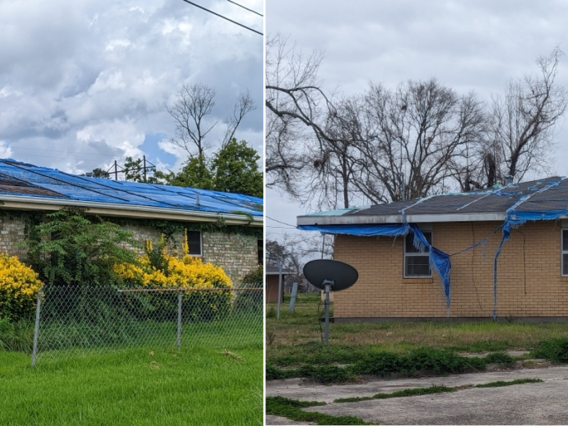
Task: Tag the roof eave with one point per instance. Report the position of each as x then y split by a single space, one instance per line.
14 202
390 219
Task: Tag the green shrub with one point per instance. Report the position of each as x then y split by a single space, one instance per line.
553 350
326 374
439 362
275 373
501 358
380 364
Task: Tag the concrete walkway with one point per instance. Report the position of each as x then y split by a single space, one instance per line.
531 403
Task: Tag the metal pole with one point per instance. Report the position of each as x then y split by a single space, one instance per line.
293 296
279 264
326 328
36 327
179 321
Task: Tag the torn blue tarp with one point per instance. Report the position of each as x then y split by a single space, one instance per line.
439 261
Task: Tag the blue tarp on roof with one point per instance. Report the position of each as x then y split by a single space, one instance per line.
520 211
65 186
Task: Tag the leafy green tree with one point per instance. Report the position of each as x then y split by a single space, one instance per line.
236 169
100 173
70 248
196 173
138 170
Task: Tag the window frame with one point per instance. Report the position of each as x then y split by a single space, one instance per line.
407 254
563 251
200 243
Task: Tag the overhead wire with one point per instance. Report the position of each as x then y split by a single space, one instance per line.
279 221
246 8
224 17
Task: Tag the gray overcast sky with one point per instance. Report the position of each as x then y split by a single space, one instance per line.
468 45
85 82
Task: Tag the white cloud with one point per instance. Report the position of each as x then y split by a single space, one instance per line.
91 78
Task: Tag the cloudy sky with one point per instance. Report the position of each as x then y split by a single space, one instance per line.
468 45
86 82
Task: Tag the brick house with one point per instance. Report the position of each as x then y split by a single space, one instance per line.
225 229
494 253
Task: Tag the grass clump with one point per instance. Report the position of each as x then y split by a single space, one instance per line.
501 383
275 373
16 335
553 350
292 409
401 393
501 358
326 374
426 360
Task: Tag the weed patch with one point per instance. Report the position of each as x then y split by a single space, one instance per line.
554 350
501 383
292 409
401 393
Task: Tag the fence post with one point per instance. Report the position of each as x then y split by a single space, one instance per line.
293 297
179 321
36 328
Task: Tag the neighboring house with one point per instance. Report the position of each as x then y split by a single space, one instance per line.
500 252
272 274
224 229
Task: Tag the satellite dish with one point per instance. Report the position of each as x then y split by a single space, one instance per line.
330 275
324 271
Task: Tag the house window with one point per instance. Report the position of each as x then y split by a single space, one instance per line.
417 263
194 243
565 252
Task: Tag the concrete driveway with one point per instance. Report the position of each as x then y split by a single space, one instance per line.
531 403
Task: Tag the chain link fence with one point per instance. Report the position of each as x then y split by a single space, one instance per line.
76 321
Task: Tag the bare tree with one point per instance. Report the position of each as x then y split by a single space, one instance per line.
413 136
524 119
296 111
336 169
190 111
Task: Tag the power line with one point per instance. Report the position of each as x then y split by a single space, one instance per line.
283 223
224 17
246 8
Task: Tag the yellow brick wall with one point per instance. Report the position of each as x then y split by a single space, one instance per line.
529 281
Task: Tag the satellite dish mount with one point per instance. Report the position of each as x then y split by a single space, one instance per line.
329 275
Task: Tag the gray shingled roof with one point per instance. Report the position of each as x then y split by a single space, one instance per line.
543 195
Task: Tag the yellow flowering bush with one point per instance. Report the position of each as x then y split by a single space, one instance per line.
19 286
159 269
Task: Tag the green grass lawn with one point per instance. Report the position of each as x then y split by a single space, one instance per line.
296 338
143 386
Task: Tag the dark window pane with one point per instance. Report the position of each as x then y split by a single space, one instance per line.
194 242
564 240
417 266
565 264
409 246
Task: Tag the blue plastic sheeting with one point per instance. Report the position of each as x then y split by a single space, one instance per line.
99 190
439 261
360 230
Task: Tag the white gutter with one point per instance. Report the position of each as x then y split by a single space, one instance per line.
411 218
16 202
